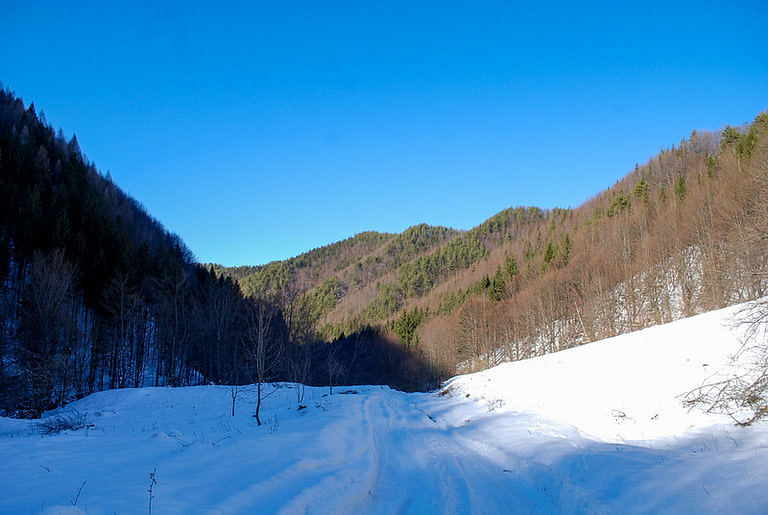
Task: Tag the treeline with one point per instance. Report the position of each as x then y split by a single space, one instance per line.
96 294
306 271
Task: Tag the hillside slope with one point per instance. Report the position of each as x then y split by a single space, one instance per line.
94 292
602 428
680 234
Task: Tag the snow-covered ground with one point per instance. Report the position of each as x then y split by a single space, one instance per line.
598 429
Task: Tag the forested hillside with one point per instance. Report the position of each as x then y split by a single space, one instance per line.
683 233
97 294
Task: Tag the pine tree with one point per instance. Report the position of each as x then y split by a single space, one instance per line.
641 191
680 187
496 287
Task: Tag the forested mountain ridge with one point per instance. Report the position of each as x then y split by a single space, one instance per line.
388 270
96 294
677 235
344 266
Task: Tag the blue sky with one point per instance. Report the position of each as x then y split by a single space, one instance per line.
260 130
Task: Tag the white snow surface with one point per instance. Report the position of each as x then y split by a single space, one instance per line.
598 429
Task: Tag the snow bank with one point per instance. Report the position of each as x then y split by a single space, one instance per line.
630 387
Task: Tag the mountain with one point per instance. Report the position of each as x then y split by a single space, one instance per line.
96 294
678 235
604 428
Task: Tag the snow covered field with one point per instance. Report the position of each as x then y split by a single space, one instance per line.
598 429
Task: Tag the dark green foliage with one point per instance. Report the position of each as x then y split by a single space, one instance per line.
711 165
422 274
510 268
511 222
273 279
746 144
497 285
321 300
386 303
414 241
420 258
641 191
566 249
450 301
549 254
681 187
730 136
407 324
620 203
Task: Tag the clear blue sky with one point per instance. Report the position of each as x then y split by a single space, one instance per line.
259 130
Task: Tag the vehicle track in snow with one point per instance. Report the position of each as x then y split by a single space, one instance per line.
398 458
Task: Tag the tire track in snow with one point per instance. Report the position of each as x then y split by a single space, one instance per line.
321 479
421 467
355 466
384 453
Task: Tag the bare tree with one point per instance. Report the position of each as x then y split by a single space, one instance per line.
332 365
263 348
174 329
120 300
44 350
299 363
219 319
743 396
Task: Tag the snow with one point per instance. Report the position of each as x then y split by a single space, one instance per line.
599 429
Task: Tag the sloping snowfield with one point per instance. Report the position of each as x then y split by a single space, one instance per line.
598 429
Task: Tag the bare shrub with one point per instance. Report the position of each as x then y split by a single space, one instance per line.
742 396
72 421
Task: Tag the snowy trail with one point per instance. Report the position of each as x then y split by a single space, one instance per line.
399 460
386 455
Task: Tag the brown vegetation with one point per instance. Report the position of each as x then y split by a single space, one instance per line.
681 234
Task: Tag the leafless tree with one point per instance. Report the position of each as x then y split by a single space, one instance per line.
332 365
742 396
121 302
299 365
264 348
175 327
46 346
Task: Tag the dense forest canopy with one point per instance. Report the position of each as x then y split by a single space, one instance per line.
98 294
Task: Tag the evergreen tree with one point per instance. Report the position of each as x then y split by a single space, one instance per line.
497 285
406 326
641 191
680 187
